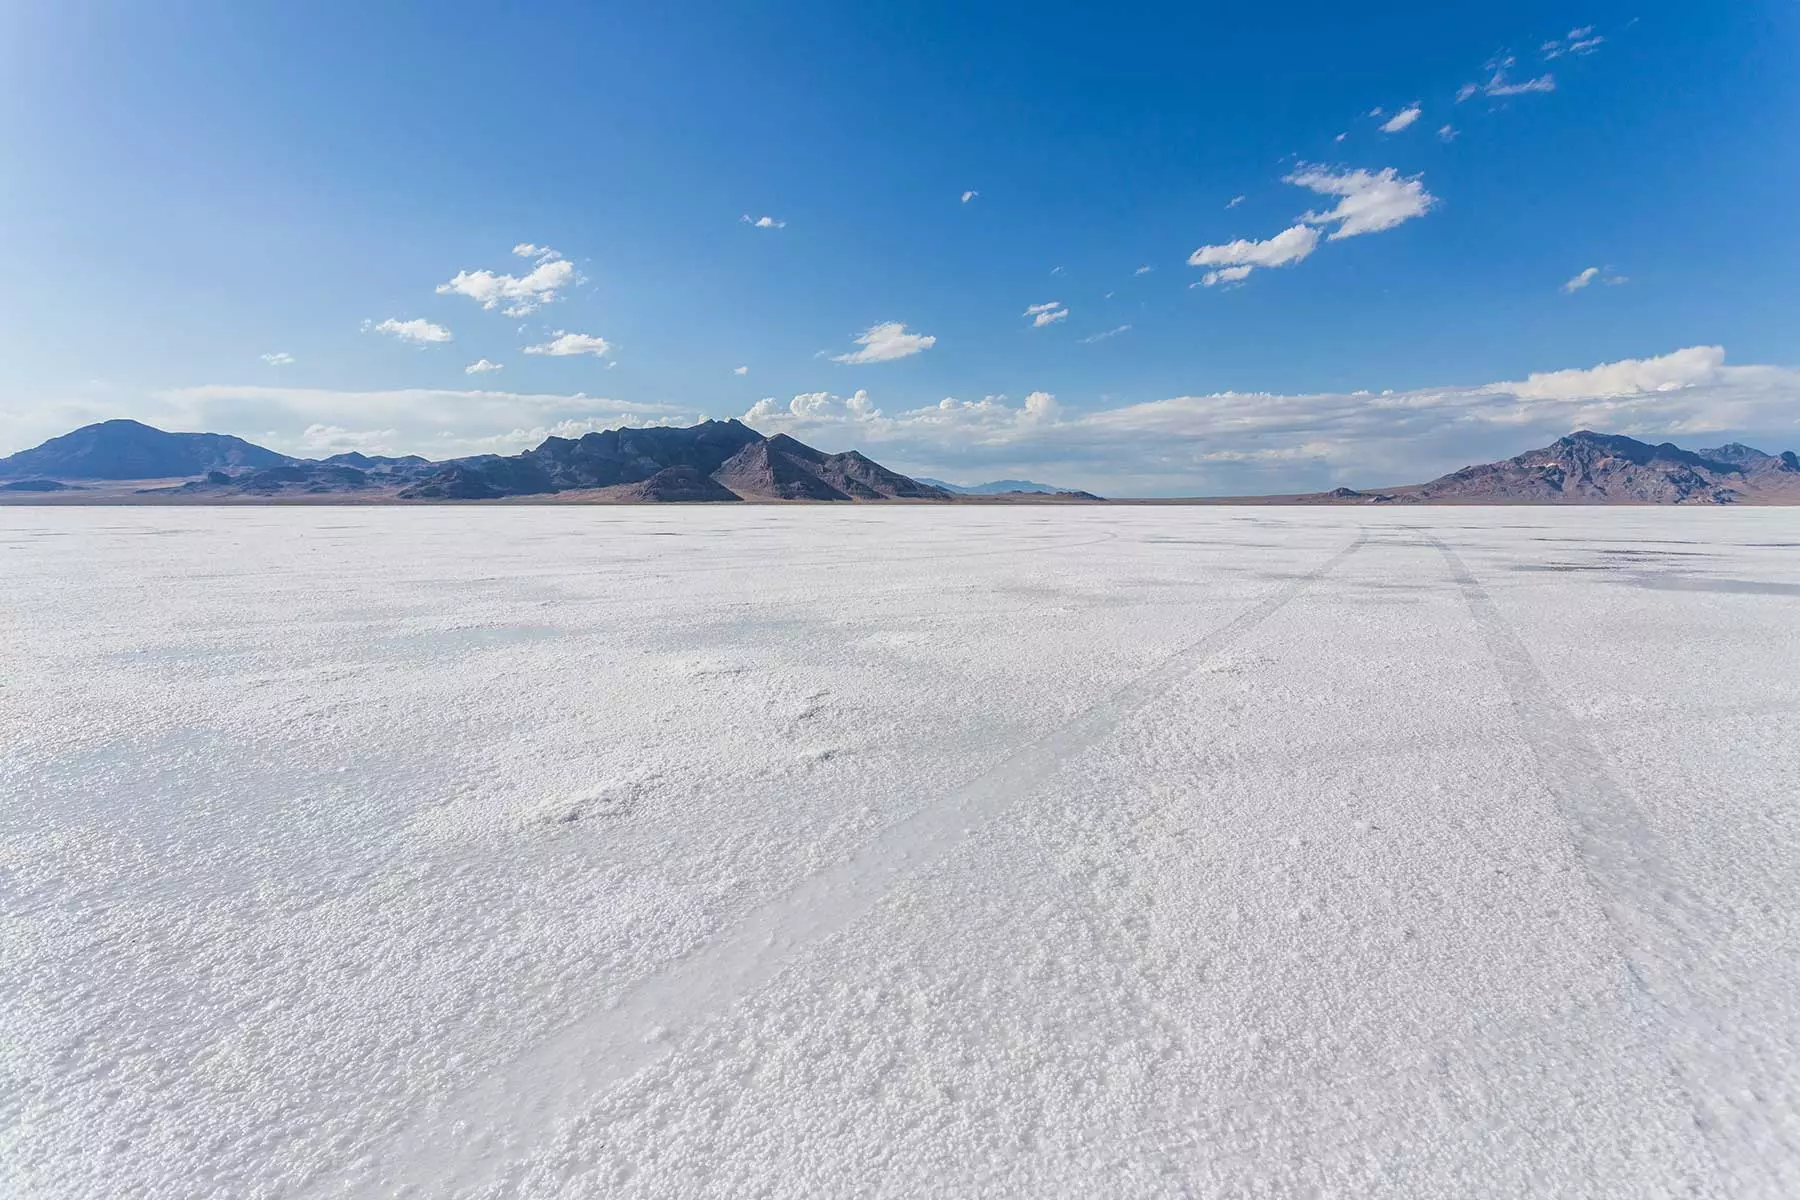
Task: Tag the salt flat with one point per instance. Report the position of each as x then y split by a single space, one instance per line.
899 851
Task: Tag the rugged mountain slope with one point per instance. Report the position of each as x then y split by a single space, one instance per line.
131 450
1601 468
1597 468
715 460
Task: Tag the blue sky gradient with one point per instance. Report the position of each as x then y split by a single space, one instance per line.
195 186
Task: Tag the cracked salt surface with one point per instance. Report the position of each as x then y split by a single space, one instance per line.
538 852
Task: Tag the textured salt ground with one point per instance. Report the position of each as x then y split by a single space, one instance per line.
796 852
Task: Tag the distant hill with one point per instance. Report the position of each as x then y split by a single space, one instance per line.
995 487
132 450
1600 468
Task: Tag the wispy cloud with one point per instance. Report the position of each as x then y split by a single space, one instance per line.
418 331
1578 41
886 341
1047 313
1589 275
740 370
1144 270
281 358
1446 133
970 195
563 344
1401 119
1234 202
1091 338
762 222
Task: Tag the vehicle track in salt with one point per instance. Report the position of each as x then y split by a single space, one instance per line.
1660 936
464 1141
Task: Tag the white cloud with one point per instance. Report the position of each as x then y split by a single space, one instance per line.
482 366
1208 443
1247 443
1578 41
762 222
1371 200
969 195
1589 275
1446 133
1046 314
281 358
1144 270
1581 279
1289 246
1498 85
1234 202
886 341
1376 111
1102 336
1401 119
516 295
740 370
1225 275
1340 137
1057 271
418 331
1676 372
563 344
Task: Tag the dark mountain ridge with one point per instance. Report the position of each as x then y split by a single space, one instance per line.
124 449
1604 468
711 461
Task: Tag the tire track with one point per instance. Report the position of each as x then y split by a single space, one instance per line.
463 1142
1661 935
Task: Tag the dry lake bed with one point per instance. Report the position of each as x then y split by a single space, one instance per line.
816 851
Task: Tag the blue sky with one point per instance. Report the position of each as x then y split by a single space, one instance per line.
194 186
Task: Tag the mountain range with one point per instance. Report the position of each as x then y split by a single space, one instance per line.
1602 468
728 461
712 461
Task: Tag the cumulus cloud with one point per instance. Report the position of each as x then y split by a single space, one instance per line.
563 344
281 358
1204 443
1046 314
740 370
886 341
1237 258
762 222
969 195
1103 335
1241 443
1371 201
516 295
1401 119
418 331
481 366
1224 275
1677 372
